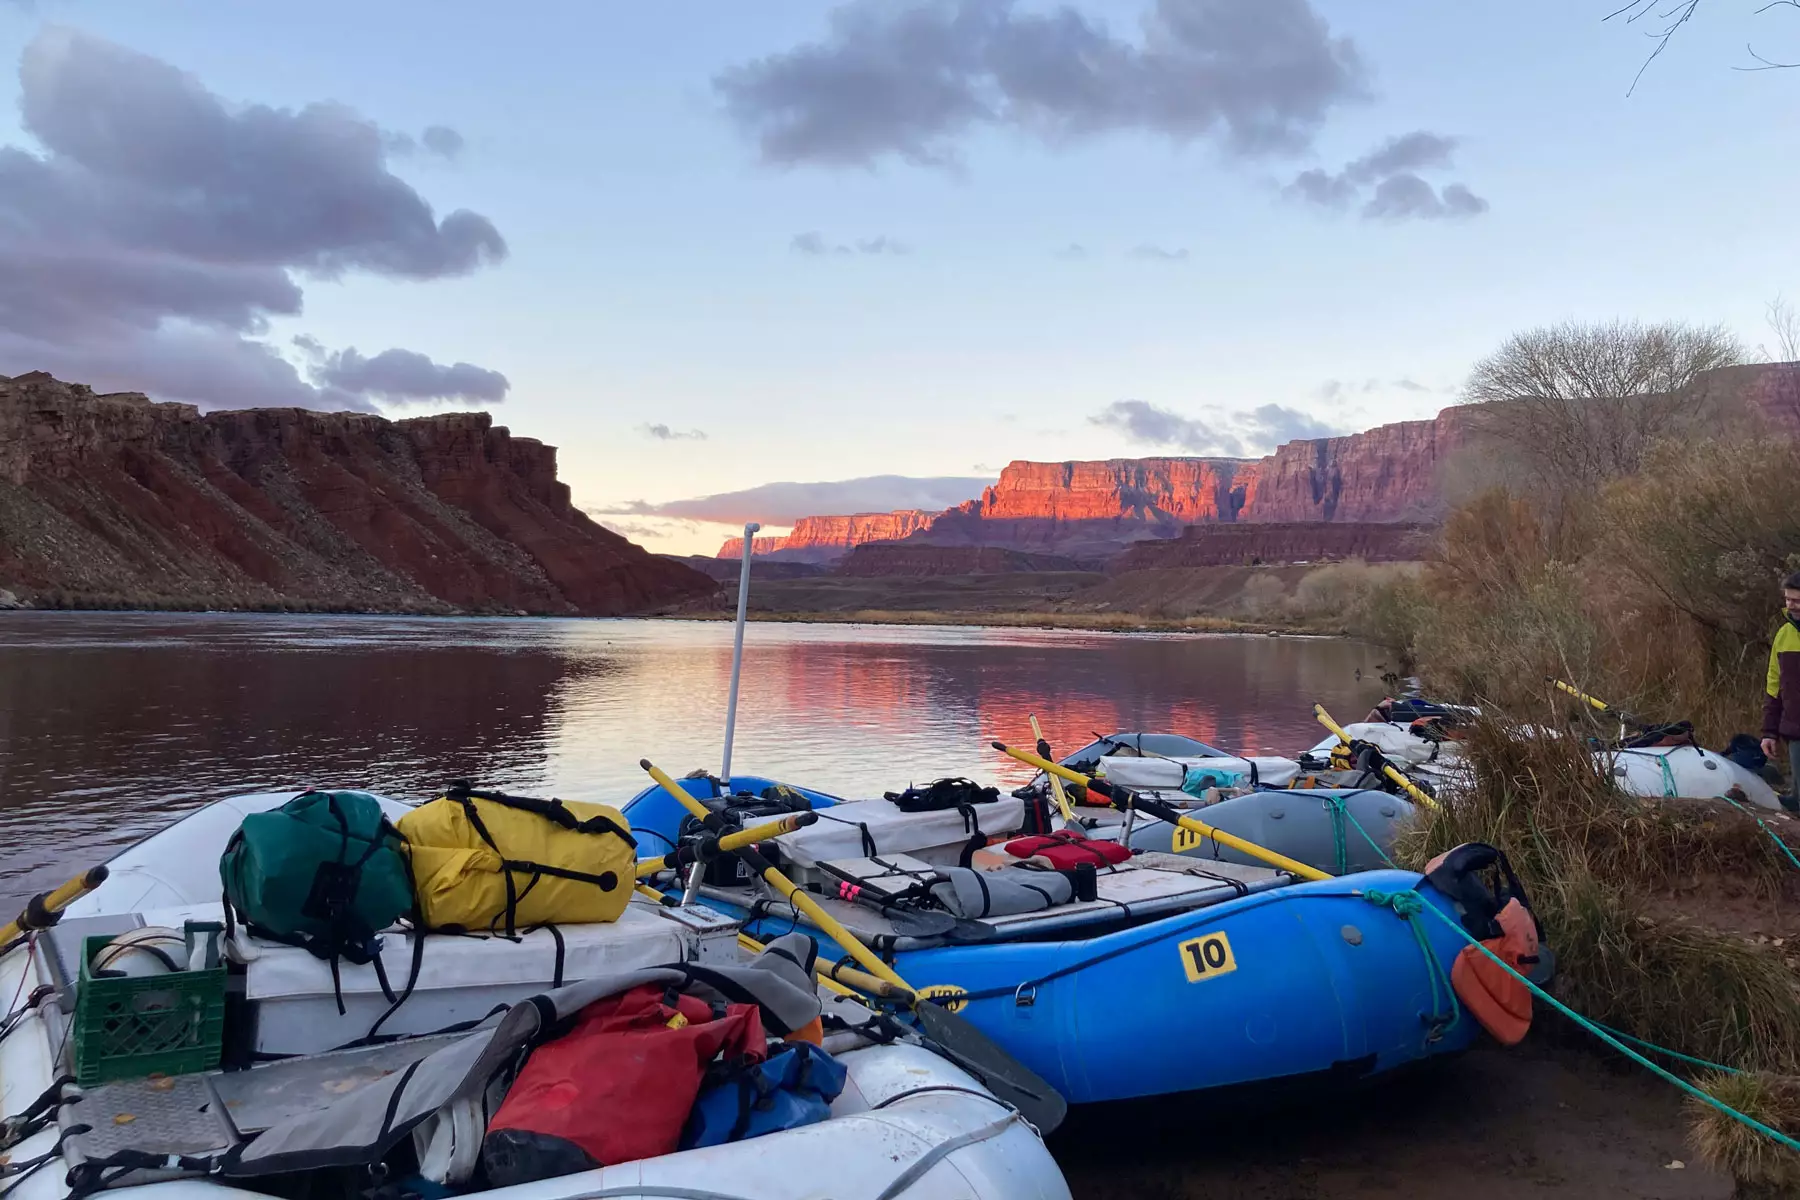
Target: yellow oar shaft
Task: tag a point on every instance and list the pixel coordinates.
(1280, 861)
(732, 841)
(836, 978)
(43, 910)
(1576, 692)
(1056, 785)
(826, 924)
(1413, 790)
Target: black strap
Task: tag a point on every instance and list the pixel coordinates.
(553, 810)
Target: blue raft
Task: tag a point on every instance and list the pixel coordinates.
(1338, 978)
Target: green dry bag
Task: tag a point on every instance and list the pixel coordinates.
(326, 871)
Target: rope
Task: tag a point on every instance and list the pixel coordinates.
(1338, 812)
(1370, 838)
(1773, 836)
(1618, 1043)
(1666, 1052)
(1407, 905)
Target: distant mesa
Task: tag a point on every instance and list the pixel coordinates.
(1090, 511)
(910, 558)
(117, 501)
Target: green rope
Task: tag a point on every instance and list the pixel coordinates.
(1338, 813)
(1615, 1041)
(1773, 836)
(1370, 839)
(1670, 791)
(1666, 1052)
(1407, 905)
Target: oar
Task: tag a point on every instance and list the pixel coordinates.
(1125, 799)
(46, 908)
(1417, 793)
(684, 856)
(1598, 704)
(865, 958)
(1056, 787)
(845, 981)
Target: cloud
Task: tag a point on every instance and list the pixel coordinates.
(442, 141)
(405, 376)
(1225, 435)
(1392, 169)
(910, 79)
(663, 433)
(1072, 252)
(156, 230)
(1410, 385)
(813, 244)
(785, 503)
(1150, 253)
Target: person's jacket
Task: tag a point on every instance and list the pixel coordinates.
(1781, 710)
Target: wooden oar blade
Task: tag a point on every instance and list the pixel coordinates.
(1011, 1081)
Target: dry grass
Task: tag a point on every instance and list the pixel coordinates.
(1762, 1164)
(1592, 858)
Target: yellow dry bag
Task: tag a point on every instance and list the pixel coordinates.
(488, 861)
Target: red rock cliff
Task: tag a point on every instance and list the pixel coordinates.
(820, 539)
(1271, 542)
(117, 499)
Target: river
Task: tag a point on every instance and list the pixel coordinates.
(113, 723)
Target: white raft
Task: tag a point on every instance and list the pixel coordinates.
(908, 1124)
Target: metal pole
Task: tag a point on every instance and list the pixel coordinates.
(737, 650)
(692, 890)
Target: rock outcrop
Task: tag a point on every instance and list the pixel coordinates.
(116, 499)
(1268, 543)
(822, 539)
(879, 560)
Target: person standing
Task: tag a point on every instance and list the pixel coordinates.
(1781, 705)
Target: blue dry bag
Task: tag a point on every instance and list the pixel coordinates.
(792, 1087)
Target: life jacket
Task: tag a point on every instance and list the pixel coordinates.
(740, 1099)
(617, 1087)
(1500, 917)
(941, 794)
(483, 860)
(1067, 849)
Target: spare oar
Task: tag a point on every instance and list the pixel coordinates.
(1596, 703)
(1124, 799)
(1413, 790)
(684, 856)
(828, 925)
(1056, 787)
(46, 908)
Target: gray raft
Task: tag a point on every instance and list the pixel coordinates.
(1317, 826)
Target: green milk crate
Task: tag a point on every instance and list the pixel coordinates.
(173, 1024)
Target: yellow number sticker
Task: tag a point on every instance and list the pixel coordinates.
(1184, 839)
(1207, 957)
(945, 989)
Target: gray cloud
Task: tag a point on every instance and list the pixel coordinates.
(911, 79)
(1343, 389)
(157, 230)
(405, 376)
(1406, 196)
(1150, 253)
(663, 433)
(785, 503)
(1410, 385)
(813, 244)
(1399, 192)
(1227, 435)
(1073, 252)
(442, 141)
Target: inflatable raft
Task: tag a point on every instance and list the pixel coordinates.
(1242, 973)
(907, 1124)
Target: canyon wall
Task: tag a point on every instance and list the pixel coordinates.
(914, 559)
(822, 539)
(113, 499)
(1277, 542)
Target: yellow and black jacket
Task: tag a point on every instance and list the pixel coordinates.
(1781, 710)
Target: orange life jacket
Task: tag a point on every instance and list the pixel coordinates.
(1499, 1000)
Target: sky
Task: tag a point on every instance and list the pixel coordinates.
(753, 261)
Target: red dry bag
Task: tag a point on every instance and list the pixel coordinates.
(617, 1087)
(1065, 850)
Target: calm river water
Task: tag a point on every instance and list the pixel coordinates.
(112, 723)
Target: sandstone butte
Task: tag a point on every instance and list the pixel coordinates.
(1091, 510)
(116, 499)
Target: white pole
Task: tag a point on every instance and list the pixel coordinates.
(737, 650)
(691, 891)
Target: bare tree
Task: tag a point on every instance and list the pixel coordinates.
(1784, 322)
(1574, 405)
(1664, 19)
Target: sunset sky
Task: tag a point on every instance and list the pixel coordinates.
(706, 247)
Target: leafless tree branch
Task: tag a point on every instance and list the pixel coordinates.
(1767, 64)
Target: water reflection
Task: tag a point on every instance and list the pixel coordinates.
(111, 722)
